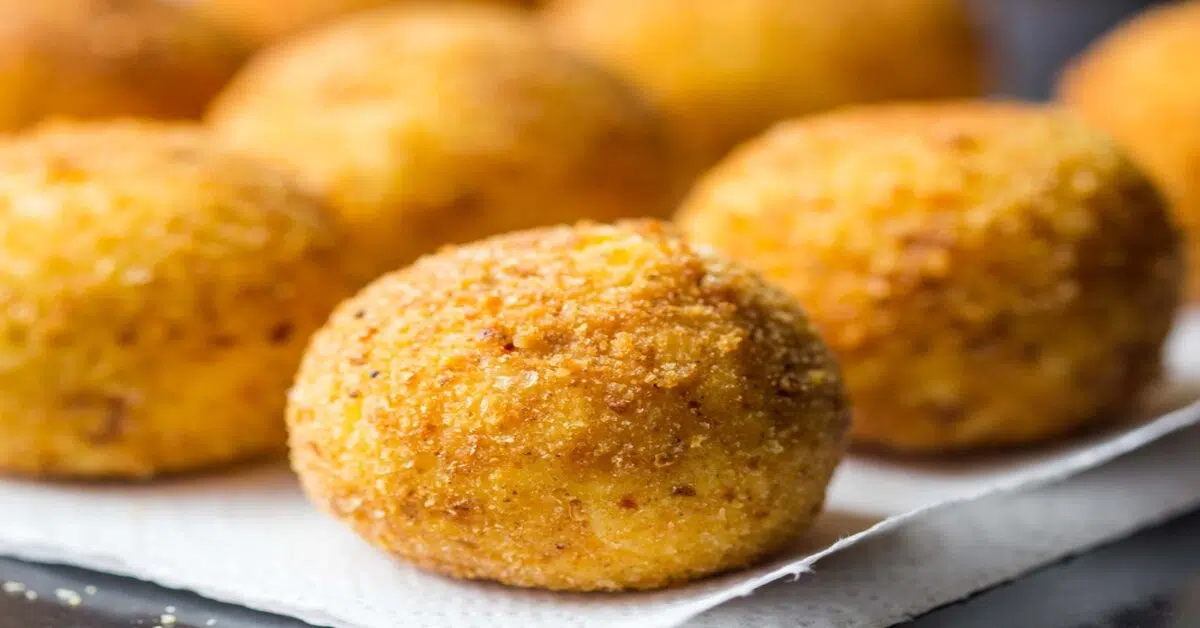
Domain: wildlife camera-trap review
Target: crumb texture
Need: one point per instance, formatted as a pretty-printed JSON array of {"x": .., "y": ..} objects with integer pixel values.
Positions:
[
  {"x": 987, "y": 274},
  {"x": 581, "y": 408},
  {"x": 156, "y": 293}
]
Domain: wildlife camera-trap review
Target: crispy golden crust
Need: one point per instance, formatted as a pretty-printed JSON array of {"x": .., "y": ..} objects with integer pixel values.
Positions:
[
  {"x": 1142, "y": 84},
  {"x": 987, "y": 274},
  {"x": 265, "y": 21},
  {"x": 108, "y": 58},
  {"x": 428, "y": 125},
  {"x": 725, "y": 70},
  {"x": 586, "y": 408},
  {"x": 157, "y": 294}
]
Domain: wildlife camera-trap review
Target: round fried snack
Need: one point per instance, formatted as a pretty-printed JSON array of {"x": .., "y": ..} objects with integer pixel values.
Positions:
[
  {"x": 1142, "y": 84},
  {"x": 108, "y": 58},
  {"x": 265, "y": 21},
  {"x": 158, "y": 293},
  {"x": 725, "y": 70},
  {"x": 434, "y": 124},
  {"x": 987, "y": 274},
  {"x": 579, "y": 408}
]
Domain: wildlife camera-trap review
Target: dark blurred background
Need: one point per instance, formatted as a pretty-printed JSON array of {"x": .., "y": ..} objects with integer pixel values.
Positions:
[{"x": 1031, "y": 40}]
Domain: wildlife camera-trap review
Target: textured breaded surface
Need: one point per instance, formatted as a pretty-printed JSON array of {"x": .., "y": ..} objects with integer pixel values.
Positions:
[
  {"x": 587, "y": 408},
  {"x": 987, "y": 274},
  {"x": 1141, "y": 83},
  {"x": 108, "y": 58},
  {"x": 435, "y": 124},
  {"x": 155, "y": 296},
  {"x": 724, "y": 70},
  {"x": 264, "y": 21}
]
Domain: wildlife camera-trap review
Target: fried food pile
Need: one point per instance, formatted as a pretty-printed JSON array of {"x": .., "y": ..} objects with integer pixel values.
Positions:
[{"x": 539, "y": 382}]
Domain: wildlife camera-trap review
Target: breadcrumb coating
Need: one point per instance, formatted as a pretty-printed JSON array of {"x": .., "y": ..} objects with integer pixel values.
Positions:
[
  {"x": 428, "y": 125},
  {"x": 725, "y": 70},
  {"x": 156, "y": 293},
  {"x": 1142, "y": 84},
  {"x": 986, "y": 273},
  {"x": 580, "y": 408},
  {"x": 108, "y": 58}
]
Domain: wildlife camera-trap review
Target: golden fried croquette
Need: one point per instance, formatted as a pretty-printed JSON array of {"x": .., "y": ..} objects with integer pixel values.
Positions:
[
  {"x": 579, "y": 408},
  {"x": 435, "y": 124},
  {"x": 987, "y": 274},
  {"x": 157, "y": 294},
  {"x": 268, "y": 20},
  {"x": 725, "y": 70},
  {"x": 1142, "y": 84},
  {"x": 108, "y": 58}
]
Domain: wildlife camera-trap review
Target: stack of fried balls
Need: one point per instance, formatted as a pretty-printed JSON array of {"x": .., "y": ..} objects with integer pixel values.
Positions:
[{"x": 424, "y": 247}]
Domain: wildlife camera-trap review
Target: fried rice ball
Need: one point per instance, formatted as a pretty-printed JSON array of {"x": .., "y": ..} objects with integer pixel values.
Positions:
[
  {"x": 433, "y": 124},
  {"x": 1142, "y": 84},
  {"x": 725, "y": 70},
  {"x": 108, "y": 58},
  {"x": 578, "y": 408},
  {"x": 987, "y": 274},
  {"x": 264, "y": 21},
  {"x": 156, "y": 293}
]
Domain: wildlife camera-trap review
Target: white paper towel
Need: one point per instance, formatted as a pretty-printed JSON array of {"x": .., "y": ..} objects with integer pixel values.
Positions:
[
  {"x": 958, "y": 551},
  {"x": 249, "y": 537}
]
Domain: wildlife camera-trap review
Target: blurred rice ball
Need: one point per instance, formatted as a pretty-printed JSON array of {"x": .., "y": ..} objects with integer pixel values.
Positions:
[
  {"x": 109, "y": 58},
  {"x": 1142, "y": 84},
  {"x": 427, "y": 125},
  {"x": 265, "y": 21},
  {"x": 724, "y": 70}
]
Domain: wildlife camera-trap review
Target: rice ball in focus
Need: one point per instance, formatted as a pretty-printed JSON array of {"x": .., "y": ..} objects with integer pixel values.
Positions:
[
  {"x": 987, "y": 274},
  {"x": 1142, "y": 84},
  {"x": 579, "y": 408},
  {"x": 108, "y": 58},
  {"x": 725, "y": 70},
  {"x": 433, "y": 124},
  {"x": 156, "y": 293},
  {"x": 265, "y": 21}
]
